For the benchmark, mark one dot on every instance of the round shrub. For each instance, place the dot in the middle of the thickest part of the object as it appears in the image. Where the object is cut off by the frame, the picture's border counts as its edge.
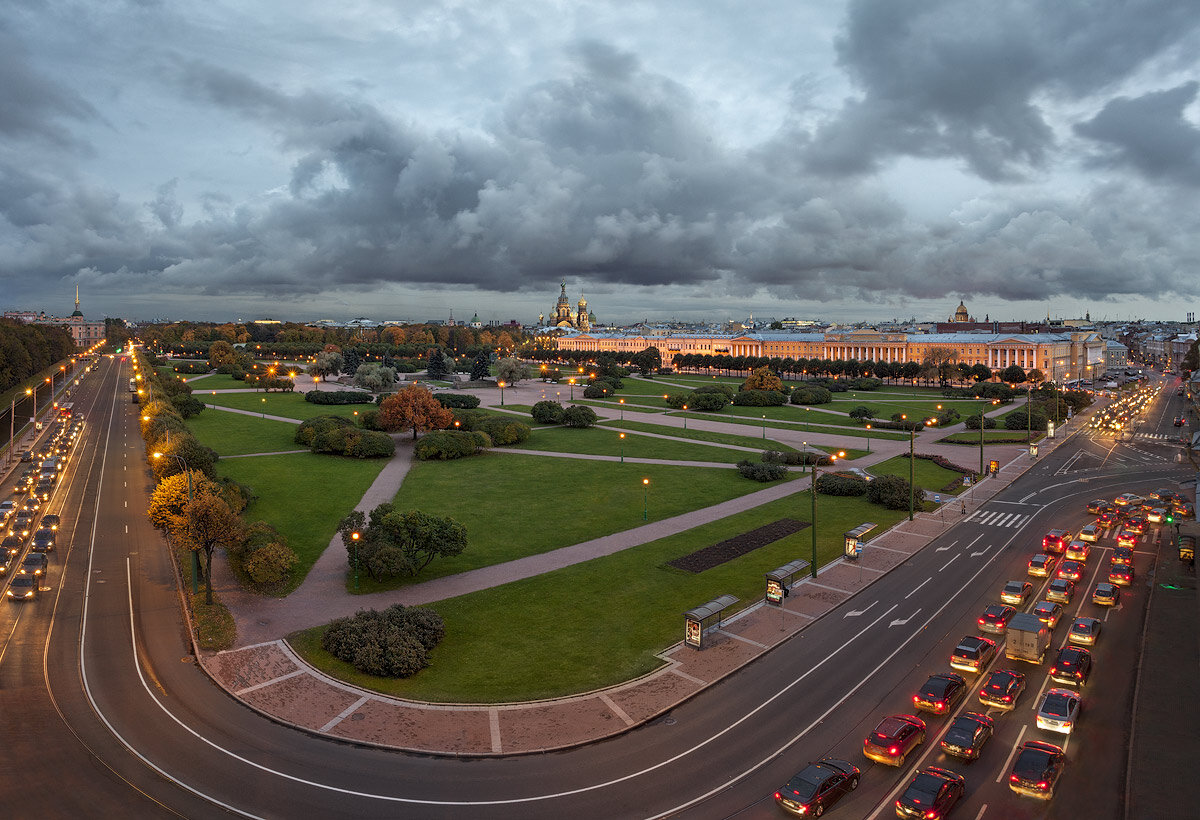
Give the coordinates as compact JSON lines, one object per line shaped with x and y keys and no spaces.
{"x":973,"y":423}
{"x":309,"y":429}
{"x":811,"y":395}
{"x":464,"y":401}
{"x":369,"y":444}
{"x":708,"y":401}
{"x":577,"y":416}
{"x":444,"y":445}
{"x":841,"y":484}
{"x":270,"y":565}
{"x":796,"y":457}
{"x":394,"y":643}
{"x":889,"y":491}
{"x":547,"y":412}
{"x":865,"y":383}
{"x":761,"y":472}
{"x":597,"y":390}
{"x":724,"y":389}
{"x":504,"y":432}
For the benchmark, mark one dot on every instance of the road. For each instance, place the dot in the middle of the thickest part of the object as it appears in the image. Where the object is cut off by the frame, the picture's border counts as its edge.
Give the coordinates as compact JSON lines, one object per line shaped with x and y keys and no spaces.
{"x":106,"y":707}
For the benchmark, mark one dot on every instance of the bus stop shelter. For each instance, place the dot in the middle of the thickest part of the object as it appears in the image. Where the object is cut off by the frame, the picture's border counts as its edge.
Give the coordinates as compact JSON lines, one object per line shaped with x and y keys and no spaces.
{"x":779,"y":581}
{"x":704,"y":617}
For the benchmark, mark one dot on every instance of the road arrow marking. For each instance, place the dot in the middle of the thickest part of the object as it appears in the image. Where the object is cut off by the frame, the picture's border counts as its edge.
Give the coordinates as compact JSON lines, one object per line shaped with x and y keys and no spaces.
{"x":899,"y":622}
{"x":855,"y":614}
{"x":981,"y":552}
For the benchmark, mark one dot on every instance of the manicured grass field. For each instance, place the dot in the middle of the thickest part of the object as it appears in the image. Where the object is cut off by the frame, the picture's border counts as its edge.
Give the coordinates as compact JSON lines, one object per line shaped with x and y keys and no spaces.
{"x":304,"y":496}
{"x":515,"y":505}
{"x":288,"y":405}
{"x":699,"y":435}
{"x":235,"y":433}
{"x":926,"y":474}
{"x":991,"y":437}
{"x":835,"y":430}
{"x":600,"y":622}
{"x":604,"y":442}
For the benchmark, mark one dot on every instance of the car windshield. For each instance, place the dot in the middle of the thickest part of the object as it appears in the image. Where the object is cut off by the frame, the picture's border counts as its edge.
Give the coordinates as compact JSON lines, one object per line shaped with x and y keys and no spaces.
{"x":1031,"y":764}
{"x":22,"y":581}
{"x":935,"y":688}
{"x":962,"y":732}
{"x":804,"y":785}
{"x":1012,"y":586}
{"x":1057,"y":705}
{"x":889,"y":729}
{"x":923,"y":789}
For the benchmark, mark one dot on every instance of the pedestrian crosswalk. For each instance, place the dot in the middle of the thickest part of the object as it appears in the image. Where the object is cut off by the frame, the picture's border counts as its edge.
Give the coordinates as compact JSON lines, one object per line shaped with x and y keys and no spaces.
{"x":997,"y":518}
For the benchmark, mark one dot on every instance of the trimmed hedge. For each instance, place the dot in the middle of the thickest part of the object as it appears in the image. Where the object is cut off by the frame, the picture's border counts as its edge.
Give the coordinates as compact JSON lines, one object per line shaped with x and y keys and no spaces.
{"x":890,"y":492}
{"x":811,"y":395}
{"x":760,"y":398}
{"x":338,"y":436}
{"x":456,"y":401}
{"x":579,"y":416}
{"x":795,"y":457}
{"x":394,"y":643}
{"x":444,"y":445}
{"x":338,"y":397}
{"x":847,"y":484}
{"x":547,"y":412}
{"x":761,"y":472}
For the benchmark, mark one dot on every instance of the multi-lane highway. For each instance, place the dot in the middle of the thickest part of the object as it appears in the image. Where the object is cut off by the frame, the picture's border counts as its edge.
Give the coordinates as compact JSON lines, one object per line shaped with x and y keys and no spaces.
{"x":105,"y":711}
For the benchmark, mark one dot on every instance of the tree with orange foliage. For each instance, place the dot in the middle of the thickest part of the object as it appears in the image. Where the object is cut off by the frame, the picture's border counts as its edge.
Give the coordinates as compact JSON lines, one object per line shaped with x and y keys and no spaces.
{"x":414,"y":407}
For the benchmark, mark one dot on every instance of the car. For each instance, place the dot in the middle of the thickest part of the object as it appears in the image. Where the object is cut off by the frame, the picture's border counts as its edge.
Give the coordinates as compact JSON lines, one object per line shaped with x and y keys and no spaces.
{"x":50,"y":521}
{"x":1061,"y":590}
{"x":43,"y":540}
{"x":7,"y":508}
{"x":22,"y":522}
{"x":1002,"y":689}
{"x":1055,"y":540}
{"x":43,"y":491}
{"x":12,"y":544}
{"x":1016,"y":592}
{"x":940,"y":693}
{"x":933,"y":792}
{"x":22,"y":588}
{"x":1157,"y":515}
{"x":1078,"y":550}
{"x":1121,"y":557}
{"x":1048,"y":612}
{"x":995,"y":618}
{"x":1036,"y":769}
{"x":966,"y":735}
{"x":1084,"y":631}
{"x":1128,"y":538}
{"x":31,"y":504}
{"x":1071,"y":570}
{"x":35,"y":564}
{"x":818,"y":786}
{"x":6,"y":562}
{"x":1110,"y":518}
{"x":1106,"y":594}
{"x":1183,"y":509}
{"x":894,"y":738}
{"x":972,"y":654}
{"x":1042,"y":565}
{"x":1178,"y":421}
{"x":1072,"y":666}
{"x":1137,"y":524}
{"x":1095,"y":507}
{"x":1058,"y":711}
{"x":1121,"y":576}
{"x":1128,"y":500}
{"x":27,"y":456}
{"x":1166,"y":495}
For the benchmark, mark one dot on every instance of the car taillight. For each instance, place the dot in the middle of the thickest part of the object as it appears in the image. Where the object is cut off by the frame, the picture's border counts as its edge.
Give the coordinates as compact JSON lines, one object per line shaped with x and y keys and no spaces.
{"x":778,"y":795}
{"x":895,"y":750}
{"x":940,"y":706}
{"x":931,"y":815}
{"x":1014,"y":778}
{"x":1053,"y":669}
{"x":916,"y":699}
{"x":980,"y":621}
{"x":1043,"y":784}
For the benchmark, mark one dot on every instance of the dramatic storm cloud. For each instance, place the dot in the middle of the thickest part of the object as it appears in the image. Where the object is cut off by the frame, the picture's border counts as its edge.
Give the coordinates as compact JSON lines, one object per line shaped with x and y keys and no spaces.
{"x":863,"y":159}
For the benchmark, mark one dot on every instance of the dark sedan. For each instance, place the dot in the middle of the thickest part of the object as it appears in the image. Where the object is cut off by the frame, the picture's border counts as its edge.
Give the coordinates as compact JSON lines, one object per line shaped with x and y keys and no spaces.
{"x":931,"y":794}
{"x":817,"y":787}
{"x":995,"y":618}
{"x":1002,"y":689}
{"x":1037,"y":769}
{"x":894,"y":738}
{"x":1073,"y":665}
{"x":940,"y":693}
{"x":967,"y":734}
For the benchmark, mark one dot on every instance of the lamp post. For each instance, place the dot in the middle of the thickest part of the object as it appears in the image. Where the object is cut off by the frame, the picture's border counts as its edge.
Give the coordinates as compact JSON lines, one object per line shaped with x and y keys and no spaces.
{"x":572,"y":383}
{"x":1028,"y":412}
{"x":354,"y":536}
{"x":501,"y":385}
{"x":622,"y":448}
{"x":188,"y":473}
{"x":622,"y":409}
{"x":264,"y":408}
{"x":813,"y":492}
{"x":764,"y":427}
{"x":685,"y":417}
{"x":645,"y":499}
{"x":868,"y":438}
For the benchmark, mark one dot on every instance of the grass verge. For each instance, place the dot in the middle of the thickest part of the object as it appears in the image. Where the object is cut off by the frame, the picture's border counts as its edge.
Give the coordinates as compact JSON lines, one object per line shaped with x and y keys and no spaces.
{"x":233,"y":434}
{"x":215,"y":627}
{"x":926,"y":474}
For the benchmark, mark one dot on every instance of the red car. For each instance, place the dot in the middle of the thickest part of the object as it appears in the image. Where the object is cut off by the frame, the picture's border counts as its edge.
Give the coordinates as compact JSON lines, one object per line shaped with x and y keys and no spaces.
{"x":894,"y":738}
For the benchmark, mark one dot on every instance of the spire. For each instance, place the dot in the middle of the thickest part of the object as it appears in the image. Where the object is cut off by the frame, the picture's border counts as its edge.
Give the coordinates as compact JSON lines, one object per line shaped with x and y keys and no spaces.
{"x":77,"y":312}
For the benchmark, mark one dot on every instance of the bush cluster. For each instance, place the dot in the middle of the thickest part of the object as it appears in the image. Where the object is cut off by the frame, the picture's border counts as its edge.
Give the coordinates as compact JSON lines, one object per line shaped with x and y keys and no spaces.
{"x":340,"y":436}
{"x":188,"y":368}
{"x":841,"y":484}
{"x":865,"y":383}
{"x":795,"y":457}
{"x":502,"y":431}
{"x":973,"y":422}
{"x":457,"y":401}
{"x":889,"y":491}
{"x":811,"y":395}
{"x":579,"y":416}
{"x":443,"y":445}
{"x":263,"y":561}
{"x":943,"y":462}
{"x":761,"y":472}
{"x":832,"y":385}
{"x":547,"y":412}
{"x":982,"y":390}
{"x":338,"y":397}
{"x":394,"y":643}
{"x":759,"y":398}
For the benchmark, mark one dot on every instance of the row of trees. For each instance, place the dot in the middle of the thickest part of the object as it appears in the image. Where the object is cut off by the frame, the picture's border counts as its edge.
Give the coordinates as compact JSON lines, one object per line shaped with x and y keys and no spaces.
{"x":941,"y":367}
{"x":26,"y":350}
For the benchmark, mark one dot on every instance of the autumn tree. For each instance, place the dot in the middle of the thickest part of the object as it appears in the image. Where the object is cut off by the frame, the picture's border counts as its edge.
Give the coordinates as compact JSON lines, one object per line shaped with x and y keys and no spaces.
{"x":504,"y":342}
{"x":168,"y":503}
{"x":220,"y":353}
{"x":211,"y":524}
{"x":762,"y":378}
{"x":414,"y":407}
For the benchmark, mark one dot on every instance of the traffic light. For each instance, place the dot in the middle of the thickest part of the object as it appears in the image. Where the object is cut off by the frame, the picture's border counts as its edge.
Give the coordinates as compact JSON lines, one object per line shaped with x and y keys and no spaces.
{"x":1170,"y":518}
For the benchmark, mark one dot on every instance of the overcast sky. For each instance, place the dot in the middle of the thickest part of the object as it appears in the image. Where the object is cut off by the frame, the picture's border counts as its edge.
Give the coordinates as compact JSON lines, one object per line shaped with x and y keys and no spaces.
{"x":696,"y":159}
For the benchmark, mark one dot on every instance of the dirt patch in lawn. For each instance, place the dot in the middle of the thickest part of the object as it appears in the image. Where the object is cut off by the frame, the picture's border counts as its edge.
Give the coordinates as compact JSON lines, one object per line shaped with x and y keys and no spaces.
{"x":737,"y":546}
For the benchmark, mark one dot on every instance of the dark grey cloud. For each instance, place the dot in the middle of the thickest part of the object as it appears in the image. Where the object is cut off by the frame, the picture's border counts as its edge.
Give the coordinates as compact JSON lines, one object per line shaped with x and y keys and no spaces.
{"x":964,"y":78}
{"x":1149,"y":133}
{"x":33,"y":107}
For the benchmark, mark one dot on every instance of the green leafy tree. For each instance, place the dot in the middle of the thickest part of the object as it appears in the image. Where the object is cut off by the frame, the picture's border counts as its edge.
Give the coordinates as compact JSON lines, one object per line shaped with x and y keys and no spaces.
{"x":862,"y":413}
{"x":481,"y":367}
{"x":511,"y":370}
{"x":1013,"y":374}
{"x":210,"y":524}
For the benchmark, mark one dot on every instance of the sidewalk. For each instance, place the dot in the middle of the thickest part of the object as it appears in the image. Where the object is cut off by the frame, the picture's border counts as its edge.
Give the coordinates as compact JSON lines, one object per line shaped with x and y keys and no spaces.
{"x":271,"y":679}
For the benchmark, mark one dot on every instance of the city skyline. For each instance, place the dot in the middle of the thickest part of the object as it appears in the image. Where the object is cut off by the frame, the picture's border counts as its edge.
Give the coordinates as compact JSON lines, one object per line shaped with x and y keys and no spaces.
{"x":847,"y":161}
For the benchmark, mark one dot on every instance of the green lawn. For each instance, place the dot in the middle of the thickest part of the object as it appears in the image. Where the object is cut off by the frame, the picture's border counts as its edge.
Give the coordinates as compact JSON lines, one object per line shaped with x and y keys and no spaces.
{"x":926,"y":474}
{"x":699,"y":435}
{"x":725,"y":416}
{"x":990,"y":437}
{"x":304,"y":496}
{"x":235,"y":434}
{"x":288,"y":405}
{"x":601,"y":622}
{"x":515,"y":505}
{"x":604,"y":442}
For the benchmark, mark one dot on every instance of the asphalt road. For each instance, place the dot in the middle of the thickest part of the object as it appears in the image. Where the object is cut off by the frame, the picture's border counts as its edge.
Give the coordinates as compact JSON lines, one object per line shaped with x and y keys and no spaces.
{"x":107,"y":713}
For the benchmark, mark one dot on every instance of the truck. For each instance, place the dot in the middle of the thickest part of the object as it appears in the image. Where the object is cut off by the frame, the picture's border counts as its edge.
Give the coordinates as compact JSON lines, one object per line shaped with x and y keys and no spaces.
{"x":1027,"y":638}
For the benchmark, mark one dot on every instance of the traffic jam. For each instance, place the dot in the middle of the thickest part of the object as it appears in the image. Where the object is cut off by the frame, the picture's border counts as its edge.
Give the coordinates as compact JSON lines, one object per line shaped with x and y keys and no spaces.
{"x":1030,"y":653}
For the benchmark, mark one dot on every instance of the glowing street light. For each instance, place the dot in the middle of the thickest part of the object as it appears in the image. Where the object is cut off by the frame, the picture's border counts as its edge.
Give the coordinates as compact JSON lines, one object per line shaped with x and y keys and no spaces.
{"x":622,"y":448}
{"x":645,"y":499}
{"x":622,"y":411}
{"x":813,"y":492}
{"x":501,"y":393}
{"x":868,"y":438}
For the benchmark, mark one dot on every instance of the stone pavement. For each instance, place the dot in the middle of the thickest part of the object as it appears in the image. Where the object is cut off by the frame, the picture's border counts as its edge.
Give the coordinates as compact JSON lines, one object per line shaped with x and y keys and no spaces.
{"x":270,"y":678}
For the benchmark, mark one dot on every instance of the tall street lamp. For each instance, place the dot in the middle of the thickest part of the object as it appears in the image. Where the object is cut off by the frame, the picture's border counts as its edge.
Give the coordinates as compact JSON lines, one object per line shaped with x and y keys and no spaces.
{"x":685,"y":417}
{"x":645,"y":499}
{"x":868,"y":438}
{"x":572,"y":383}
{"x":813,"y":492}
{"x":622,"y":409}
{"x":188,"y":473}
{"x":501,"y":384}
{"x":764,"y":427}
{"x":354,"y":536}
{"x":622,"y":448}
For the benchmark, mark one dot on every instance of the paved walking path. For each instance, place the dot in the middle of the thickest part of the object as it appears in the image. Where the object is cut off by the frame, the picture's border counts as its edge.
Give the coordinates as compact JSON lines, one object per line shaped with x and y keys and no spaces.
{"x":267,"y":675}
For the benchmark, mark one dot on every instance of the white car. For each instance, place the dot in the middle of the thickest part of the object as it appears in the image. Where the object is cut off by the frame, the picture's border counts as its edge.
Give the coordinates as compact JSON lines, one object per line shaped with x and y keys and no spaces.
{"x":1058,"y":711}
{"x":1090,"y":533}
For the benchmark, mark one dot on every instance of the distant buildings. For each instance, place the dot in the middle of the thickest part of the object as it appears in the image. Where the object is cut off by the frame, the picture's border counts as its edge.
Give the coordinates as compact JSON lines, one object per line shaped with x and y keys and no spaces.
{"x":85,"y":333}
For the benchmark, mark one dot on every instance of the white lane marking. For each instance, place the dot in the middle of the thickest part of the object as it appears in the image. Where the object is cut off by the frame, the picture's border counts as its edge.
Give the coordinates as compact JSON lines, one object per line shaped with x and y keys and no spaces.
{"x":948,"y":563}
{"x":856,"y":613}
{"x":982,"y":809}
{"x":923,"y":583}
{"x":1008,"y":760}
